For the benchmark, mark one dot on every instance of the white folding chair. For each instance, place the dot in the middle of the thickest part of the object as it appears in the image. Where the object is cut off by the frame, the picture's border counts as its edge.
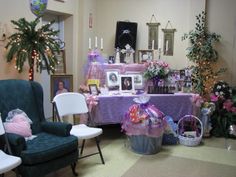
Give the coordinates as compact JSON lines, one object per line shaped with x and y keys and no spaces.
{"x":7,"y":162}
{"x":72,"y":103}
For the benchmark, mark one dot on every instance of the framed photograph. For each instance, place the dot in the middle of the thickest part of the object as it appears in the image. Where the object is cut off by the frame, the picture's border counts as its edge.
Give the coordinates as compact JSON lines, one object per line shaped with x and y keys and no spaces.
{"x":145,"y":55}
{"x":112,"y":78}
{"x":138,"y":79}
{"x":61,"y":84}
{"x":93,"y":89}
{"x":126,"y":83}
{"x":60,"y":68}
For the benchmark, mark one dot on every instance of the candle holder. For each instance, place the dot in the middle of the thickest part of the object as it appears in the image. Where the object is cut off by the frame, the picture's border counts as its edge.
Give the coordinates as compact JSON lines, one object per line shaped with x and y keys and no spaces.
{"x":159,"y":53}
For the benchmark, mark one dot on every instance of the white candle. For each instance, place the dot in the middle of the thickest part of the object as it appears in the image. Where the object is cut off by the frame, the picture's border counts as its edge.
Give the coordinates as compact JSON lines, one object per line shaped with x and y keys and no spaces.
{"x":90,"y":43}
{"x":101,"y":43}
{"x":153,"y":42}
{"x":96,"y":42}
{"x":159,"y":43}
{"x":167,"y":47}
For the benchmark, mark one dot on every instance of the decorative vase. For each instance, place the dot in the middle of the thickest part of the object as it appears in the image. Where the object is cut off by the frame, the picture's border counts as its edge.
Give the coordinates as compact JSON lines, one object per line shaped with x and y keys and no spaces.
{"x":158,"y":81}
{"x":155,"y":81}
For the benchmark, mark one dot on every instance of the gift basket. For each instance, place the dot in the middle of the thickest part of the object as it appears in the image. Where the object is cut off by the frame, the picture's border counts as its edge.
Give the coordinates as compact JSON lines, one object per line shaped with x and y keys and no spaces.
{"x":190,"y":130}
{"x":144,"y":125}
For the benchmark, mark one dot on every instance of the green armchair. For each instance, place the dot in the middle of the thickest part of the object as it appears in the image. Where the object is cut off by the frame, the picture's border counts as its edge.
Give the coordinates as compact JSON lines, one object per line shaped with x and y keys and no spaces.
{"x":53,"y":148}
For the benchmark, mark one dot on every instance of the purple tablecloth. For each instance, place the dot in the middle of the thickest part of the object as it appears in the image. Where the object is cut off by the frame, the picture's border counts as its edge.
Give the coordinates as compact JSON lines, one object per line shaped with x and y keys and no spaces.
{"x":111,"y":109}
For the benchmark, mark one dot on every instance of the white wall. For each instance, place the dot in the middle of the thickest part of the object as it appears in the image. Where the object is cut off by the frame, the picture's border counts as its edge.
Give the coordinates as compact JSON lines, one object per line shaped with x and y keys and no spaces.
{"x":181,"y":14}
{"x":222,"y":20}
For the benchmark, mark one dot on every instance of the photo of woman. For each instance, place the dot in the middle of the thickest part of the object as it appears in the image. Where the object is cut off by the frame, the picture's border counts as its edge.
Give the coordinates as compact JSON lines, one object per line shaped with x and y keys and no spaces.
{"x":126,"y":83}
{"x":112,"y":78}
{"x":61,"y":87}
{"x":61,"y":84}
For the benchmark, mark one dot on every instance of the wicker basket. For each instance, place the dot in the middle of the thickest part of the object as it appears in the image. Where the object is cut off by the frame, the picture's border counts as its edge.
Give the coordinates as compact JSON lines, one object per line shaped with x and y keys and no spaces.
{"x":193,"y":141}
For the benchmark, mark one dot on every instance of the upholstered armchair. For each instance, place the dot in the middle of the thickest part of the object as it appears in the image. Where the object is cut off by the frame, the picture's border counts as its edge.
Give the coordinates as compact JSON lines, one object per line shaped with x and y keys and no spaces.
{"x":53,"y":148}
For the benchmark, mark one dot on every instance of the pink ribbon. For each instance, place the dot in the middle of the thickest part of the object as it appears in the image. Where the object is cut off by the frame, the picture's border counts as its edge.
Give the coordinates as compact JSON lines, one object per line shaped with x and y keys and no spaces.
{"x":197,"y":100}
{"x":92,"y":101}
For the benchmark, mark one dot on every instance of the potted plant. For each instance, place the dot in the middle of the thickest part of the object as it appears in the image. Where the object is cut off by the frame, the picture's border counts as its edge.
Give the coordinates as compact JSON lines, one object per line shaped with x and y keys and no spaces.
{"x":202,"y":53}
{"x":37,"y":45}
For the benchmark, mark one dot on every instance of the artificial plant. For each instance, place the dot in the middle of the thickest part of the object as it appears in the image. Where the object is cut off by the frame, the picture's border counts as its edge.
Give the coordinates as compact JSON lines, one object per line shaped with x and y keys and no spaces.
{"x":38,"y":46}
{"x":202,"y":53}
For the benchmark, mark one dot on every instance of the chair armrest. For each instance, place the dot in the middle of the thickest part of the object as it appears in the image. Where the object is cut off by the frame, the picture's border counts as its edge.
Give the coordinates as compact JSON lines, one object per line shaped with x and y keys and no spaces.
{"x":17,"y":143}
{"x":57,"y":128}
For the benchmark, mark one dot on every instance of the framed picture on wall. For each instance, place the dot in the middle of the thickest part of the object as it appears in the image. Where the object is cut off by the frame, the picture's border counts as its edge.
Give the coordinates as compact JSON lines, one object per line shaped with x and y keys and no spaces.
{"x":145,"y":55}
{"x":61,"y":84}
{"x":60,"y":68}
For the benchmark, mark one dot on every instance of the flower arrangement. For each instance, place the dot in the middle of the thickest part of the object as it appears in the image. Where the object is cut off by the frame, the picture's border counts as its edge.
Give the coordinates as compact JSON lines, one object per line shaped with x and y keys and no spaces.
{"x":156,"y":70}
{"x":225,"y":113}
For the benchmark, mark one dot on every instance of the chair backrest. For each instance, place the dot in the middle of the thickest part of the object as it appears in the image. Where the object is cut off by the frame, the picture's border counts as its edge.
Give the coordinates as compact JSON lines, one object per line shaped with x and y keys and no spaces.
{"x":25,"y":95}
{"x":70,"y":103}
{"x":2,"y":130}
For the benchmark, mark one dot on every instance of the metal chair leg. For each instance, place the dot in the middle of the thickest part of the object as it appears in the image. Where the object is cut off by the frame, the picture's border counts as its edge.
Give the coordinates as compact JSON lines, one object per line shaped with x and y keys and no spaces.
{"x":99,"y":150}
{"x":73,"y":166}
{"x":82,"y":147}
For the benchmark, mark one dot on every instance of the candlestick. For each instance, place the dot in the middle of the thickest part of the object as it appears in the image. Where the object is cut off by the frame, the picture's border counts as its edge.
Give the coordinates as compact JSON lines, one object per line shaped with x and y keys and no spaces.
{"x":153,"y":42}
{"x":90,"y":44}
{"x":101,"y":43}
{"x":159,"y":44}
{"x":167,"y":47}
{"x":96,"y":42}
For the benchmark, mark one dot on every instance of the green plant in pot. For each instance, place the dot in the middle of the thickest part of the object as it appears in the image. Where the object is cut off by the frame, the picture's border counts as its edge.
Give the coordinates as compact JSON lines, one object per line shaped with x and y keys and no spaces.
{"x":202,"y":53}
{"x":38,"y":46}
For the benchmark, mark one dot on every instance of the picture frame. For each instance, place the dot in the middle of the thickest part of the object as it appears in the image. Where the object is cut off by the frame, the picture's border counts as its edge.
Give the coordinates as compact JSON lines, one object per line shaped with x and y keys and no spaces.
{"x":168,"y":45}
{"x":126,"y":83}
{"x":93,"y":89}
{"x":112,"y":78}
{"x":145,"y":55}
{"x":138,"y":79}
{"x":60,"y":68}
{"x":61,"y":84}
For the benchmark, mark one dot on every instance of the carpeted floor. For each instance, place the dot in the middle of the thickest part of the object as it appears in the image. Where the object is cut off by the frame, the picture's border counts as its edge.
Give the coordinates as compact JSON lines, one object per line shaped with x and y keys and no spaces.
{"x":215,"y":157}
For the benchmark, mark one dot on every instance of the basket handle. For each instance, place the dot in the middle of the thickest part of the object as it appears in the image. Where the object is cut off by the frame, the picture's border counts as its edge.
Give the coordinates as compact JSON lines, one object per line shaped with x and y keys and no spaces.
{"x":192,"y":117}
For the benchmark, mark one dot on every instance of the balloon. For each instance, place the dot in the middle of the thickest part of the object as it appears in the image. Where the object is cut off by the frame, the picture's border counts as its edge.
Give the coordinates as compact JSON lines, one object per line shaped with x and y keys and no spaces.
{"x":38,"y":7}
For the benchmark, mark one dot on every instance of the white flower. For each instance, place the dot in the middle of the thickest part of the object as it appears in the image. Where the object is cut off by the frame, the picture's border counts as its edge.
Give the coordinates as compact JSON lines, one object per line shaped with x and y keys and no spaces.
{"x":221,"y":93}
{"x":216,"y":93}
{"x":218,"y":87}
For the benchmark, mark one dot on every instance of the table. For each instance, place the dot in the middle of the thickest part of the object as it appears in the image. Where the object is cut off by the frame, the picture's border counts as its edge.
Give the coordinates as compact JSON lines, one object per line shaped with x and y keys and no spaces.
{"x":111,"y":109}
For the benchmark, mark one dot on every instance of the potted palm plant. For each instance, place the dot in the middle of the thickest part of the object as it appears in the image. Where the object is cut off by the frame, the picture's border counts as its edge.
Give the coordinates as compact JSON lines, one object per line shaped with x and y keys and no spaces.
{"x":36,"y":45}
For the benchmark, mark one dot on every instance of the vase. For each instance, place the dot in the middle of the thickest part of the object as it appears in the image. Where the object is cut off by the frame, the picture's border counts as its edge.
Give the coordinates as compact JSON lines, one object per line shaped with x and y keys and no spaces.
{"x":157,"y":81}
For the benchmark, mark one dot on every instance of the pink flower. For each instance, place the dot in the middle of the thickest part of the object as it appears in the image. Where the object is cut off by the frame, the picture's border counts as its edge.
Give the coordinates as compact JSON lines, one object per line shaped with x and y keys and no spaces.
{"x":233,"y":109}
{"x":214,"y":98}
